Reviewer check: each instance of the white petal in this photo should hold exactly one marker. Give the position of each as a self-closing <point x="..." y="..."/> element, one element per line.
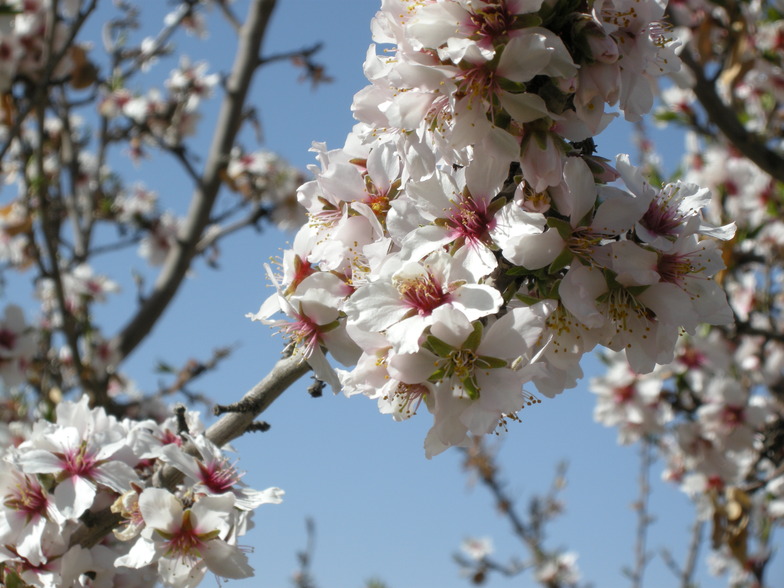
<point x="477" y="300"/>
<point x="141" y="554"/>
<point x="226" y="560"/>
<point x="160" y="509"/>
<point x="116" y="475"/>
<point x="73" y="496"/>
<point x="40" y="461"/>
<point x="211" y="513"/>
<point x="582" y="188"/>
<point x="375" y="307"/>
<point x="534" y="251"/>
<point x="524" y="107"/>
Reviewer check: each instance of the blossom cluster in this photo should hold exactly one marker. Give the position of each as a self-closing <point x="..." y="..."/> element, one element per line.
<point x="466" y="240"/>
<point x="715" y="413"/>
<point x="57" y="474"/>
<point x="27" y="34"/>
<point x="159" y="117"/>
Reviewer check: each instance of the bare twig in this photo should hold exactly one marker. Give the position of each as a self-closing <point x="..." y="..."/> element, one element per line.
<point x="686" y="574"/>
<point x="529" y="528"/>
<point x="193" y="369"/>
<point x="644" y="520"/>
<point x="302" y="577"/>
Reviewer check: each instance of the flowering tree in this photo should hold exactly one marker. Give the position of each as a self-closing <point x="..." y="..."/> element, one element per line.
<point x="463" y="250"/>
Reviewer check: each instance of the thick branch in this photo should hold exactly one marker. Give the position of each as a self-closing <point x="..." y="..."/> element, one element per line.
<point x="230" y="117"/>
<point x="750" y="144"/>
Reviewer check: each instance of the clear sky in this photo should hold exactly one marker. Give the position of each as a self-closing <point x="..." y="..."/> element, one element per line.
<point x="381" y="509"/>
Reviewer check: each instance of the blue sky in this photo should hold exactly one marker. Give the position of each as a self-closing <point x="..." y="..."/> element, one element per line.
<point x="381" y="509"/>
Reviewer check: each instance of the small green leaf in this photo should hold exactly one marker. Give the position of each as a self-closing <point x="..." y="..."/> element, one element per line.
<point x="471" y="387"/>
<point x="437" y="346"/>
<point x="563" y="227"/>
<point x="475" y="338"/>
<point x="528" y="300"/>
<point x="486" y="362"/>
<point x="437" y="375"/>
<point x="564" y="258"/>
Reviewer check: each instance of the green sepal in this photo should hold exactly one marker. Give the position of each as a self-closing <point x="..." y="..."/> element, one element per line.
<point x="523" y="21"/>
<point x="394" y="189"/>
<point x="12" y="579"/>
<point x="475" y="338"/>
<point x="496" y="205"/>
<point x="511" y="86"/>
<point x="552" y="293"/>
<point x="486" y="362"/>
<point x="437" y="346"/>
<point x="564" y="258"/>
<point x="329" y="326"/>
<point x="470" y="386"/>
<point x="518" y="270"/>
<point x="527" y="300"/>
<point x="358" y="161"/>
<point x="209" y="536"/>
<point x="636" y="290"/>
<point x="437" y="375"/>
<point x="563" y="227"/>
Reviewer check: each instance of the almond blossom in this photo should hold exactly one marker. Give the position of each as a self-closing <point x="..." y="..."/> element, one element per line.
<point x="187" y="542"/>
<point x="83" y="453"/>
<point x="213" y="475"/>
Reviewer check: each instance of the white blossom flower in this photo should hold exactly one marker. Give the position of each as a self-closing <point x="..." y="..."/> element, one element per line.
<point x="185" y="543"/>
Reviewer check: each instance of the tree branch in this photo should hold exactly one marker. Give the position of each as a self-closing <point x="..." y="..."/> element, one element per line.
<point x="229" y="119"/>
<point x="749" y="144"/>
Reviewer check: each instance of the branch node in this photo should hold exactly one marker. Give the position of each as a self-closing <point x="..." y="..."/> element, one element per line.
<point x="258" y="427"/>
<point x="182" y="424"/>
<point x="316" y="389"/>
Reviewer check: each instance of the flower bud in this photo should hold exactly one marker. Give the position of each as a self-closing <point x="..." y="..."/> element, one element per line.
<point x="591" y="37"/>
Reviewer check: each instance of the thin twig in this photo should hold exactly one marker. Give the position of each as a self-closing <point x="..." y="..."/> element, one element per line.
<point x="641" y="557"/>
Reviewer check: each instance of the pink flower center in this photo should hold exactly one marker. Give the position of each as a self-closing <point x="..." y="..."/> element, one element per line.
<point x="79" y="462"/>
<point x="471" y="220"/>
<point x="692" y="358"/>
<point x="661" y="219"/>
<point x="5" y="52"/>
<point x="476" y="82"/>
<point x="715" y="482"/>
<point x="673" y="267"/>
<point x="423" y="294"/>
<point x="168" y="437"/>
<point x="491" y="23"/>
<point x="185" y="542"/>
<point x="219" y="476"/>
<point x="732" y="416"/>
<point x="7" y="338"/>
<point x="623" y="394"/>
<point x="302" y="269"/>
<point x="303" y="332"/>
<point x="28" y="497"/>
<point x="410" y="396"/>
